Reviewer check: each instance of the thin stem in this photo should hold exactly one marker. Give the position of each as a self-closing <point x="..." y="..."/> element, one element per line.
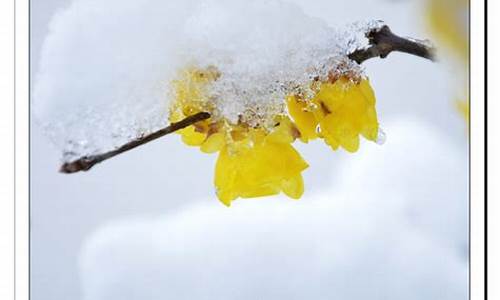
<point x="86" y="162"/>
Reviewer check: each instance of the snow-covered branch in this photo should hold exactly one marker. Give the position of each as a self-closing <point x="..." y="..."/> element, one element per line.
<point x="382" y="42"/>
<point x="87" y="162"/>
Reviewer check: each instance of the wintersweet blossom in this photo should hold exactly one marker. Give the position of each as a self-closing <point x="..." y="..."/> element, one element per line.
<point x="448" y="21"/>
<point x="343" y="108"/>
<point x="256" y="160"/>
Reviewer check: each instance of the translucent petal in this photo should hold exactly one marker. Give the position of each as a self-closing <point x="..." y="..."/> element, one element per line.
<point x="293" y="187"/>
<point x="305" y="120"/>
<point x="213" y="143"/>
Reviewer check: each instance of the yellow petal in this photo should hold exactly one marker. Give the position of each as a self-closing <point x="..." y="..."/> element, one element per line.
<point x="191" y="137"/>
<point x="293" y="187"/>
<point x="213" y="143"/>
<point x="258" y="169"/>
<point x="305" y="120"/>
<point x="351" y="144"/>
<point x="347" y="110"/>
<point x="260" y="191"/>
<point x="225" y="177"/>
<point x="370" y="124"/>
<point x="367" y="91"/>
<point x="283" y="133"/>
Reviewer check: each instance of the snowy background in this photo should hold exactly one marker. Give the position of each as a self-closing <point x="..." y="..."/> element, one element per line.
<point x="388" y="222"/>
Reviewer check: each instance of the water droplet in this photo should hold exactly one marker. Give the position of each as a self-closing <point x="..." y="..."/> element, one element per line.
<point x="381" y="137"/>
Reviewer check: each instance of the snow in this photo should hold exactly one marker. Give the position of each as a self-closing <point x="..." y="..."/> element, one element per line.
<point x="370" y="235"/>
<point x="105" y="73"/>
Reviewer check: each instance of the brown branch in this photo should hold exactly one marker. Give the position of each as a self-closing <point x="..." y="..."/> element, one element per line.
<point x="87" y="162"/>
<point x="383" y="42"/>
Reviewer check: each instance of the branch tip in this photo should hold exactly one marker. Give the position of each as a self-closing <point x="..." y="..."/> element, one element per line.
<point x="85" y="163"/>
<point x="383" y="41"/>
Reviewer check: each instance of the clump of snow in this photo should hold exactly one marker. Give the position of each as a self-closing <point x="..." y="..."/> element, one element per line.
<point x="106" y="65"/>
<point x="264" y="50"/>
<point x="104" y="70"/>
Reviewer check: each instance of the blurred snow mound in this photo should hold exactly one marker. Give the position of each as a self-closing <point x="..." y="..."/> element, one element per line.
<point x="390" y="227"/>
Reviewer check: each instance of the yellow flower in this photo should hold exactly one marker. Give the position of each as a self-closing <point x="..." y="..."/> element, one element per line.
<point x="255" y="161"/>
<point x="259" y="165"/>
<point x="448" y="22"/>
<point x="191" y="98"/>
<point x="344" y="109"/>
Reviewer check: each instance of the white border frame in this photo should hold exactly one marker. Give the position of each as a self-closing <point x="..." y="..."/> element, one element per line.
<point x="493" y="150"/>
<point x="22" y="286"/>
<point x="477" y="142"/>
<point x="22" y="184"/>
<point x="6" y="149"/>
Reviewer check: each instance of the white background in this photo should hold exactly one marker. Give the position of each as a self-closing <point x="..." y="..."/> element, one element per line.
<point x="70" y="211"/>
<point x="7" y="149"/>
<point x="493" y="150"/>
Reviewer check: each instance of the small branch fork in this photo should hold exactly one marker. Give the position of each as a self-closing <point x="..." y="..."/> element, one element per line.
<point x="382" y="42"/>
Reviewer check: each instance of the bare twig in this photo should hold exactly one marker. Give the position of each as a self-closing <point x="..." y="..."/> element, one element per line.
<point x="382" y="42"/>
<point x="87" y="162"/>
